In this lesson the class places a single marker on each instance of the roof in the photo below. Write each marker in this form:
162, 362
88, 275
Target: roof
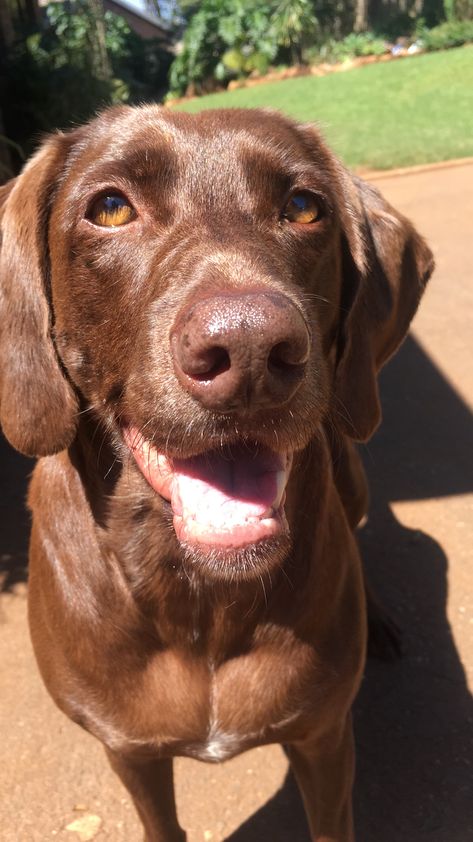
143, 11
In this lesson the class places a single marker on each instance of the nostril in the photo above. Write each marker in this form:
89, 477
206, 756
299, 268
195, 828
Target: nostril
210, 364
197, 358
285, 358
240, 351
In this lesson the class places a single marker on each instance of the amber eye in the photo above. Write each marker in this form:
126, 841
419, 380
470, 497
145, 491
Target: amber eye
303, 207
111, 210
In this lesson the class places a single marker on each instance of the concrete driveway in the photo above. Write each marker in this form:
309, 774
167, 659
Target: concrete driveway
414, 718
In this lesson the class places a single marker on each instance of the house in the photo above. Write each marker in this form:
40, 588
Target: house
144, 20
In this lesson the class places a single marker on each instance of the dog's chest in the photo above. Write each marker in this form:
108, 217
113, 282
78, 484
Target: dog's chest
218, 745
209, 712
249, 702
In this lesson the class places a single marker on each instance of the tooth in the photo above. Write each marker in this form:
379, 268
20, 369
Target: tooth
280, 485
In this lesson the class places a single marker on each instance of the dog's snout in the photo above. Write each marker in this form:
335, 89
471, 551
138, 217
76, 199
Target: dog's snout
241, 351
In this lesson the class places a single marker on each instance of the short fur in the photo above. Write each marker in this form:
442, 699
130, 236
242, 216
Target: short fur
153, 650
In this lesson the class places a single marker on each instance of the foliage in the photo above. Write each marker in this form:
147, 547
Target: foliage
399, 17
452, 33
355, 44
383, 115
135, 63
464, 9
227, 38
224, 38
335, 17
70, 38
292, 23
449, 8
458, 9
51, 81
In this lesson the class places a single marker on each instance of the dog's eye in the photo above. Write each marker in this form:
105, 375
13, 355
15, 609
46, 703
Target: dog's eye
303, 207
111, 210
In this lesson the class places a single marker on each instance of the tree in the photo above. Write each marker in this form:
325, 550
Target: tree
398, 17
6, 169
7, 28
293, 22
61, 73
361, 16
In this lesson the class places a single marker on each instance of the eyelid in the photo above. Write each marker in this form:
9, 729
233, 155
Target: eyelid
319, 197
103, 193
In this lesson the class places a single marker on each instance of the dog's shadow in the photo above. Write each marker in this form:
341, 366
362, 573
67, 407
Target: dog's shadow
15, 471
414, 716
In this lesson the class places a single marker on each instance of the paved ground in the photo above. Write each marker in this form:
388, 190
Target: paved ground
414, 719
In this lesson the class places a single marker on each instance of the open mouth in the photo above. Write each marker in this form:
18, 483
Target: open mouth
223, 499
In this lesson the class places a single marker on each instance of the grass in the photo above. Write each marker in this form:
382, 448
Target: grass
397, 114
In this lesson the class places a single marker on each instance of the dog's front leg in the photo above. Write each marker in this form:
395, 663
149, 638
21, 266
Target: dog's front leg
324, 770
150, 784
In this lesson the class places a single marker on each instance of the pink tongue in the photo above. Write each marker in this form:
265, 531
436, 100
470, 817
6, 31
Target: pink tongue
221, 491
218, 499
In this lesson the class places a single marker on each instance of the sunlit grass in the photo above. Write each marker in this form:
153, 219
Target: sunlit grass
393, 114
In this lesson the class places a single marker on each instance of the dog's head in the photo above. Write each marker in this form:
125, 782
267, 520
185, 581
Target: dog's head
213, 288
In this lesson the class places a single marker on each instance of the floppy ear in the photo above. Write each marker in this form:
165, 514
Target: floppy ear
37, 404
386, 266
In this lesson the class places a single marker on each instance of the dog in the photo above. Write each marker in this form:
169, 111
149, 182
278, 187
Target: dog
193, 314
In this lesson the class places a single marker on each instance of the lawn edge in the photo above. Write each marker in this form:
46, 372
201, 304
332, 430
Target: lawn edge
398, 172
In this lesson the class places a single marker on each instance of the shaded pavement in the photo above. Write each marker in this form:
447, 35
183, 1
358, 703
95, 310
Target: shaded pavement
413, 718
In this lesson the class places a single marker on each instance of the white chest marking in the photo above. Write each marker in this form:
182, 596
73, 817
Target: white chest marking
219, 745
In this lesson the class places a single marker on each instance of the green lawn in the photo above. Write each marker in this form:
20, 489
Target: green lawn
380, 116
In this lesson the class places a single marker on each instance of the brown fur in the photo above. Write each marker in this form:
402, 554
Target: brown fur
156, 652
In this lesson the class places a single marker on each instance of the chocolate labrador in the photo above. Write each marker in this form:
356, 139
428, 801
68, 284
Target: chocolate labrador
193, 313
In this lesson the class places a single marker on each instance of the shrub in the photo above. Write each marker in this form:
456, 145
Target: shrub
353, 45
224, 38
232, 38
453, 33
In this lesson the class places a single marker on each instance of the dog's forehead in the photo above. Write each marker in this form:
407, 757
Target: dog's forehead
212, 130
201, 149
